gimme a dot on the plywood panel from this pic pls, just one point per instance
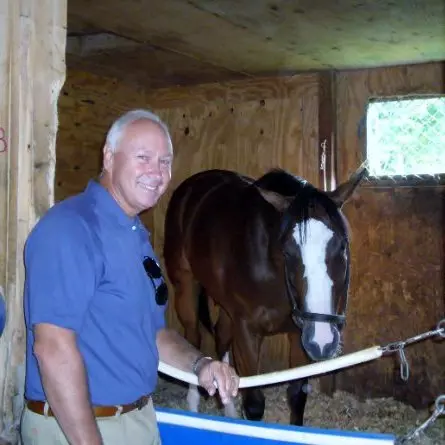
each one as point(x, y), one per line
point(246, 126)
point(397, 287)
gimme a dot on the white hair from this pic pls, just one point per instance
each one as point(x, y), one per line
point(115, 132)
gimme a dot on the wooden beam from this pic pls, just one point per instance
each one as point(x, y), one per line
point(90, 44)
point(326, 163)
point(32, 71)
point(327, 131)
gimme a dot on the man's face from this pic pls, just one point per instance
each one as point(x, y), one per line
point(140, 169)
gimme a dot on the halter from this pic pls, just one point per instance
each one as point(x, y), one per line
point(299, 316)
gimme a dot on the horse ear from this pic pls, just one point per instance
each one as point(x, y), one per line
point(344, 191)
point(280, 202)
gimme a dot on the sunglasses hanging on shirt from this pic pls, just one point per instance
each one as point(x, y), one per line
point(153, 272)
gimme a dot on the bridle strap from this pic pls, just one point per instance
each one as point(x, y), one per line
point(313, 316)
point(295, 312)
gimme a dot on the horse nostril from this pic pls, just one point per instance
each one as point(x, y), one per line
point(314, 351)
point(320, 351)
point(308, 332)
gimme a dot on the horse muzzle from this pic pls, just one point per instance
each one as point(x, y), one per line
point(321, 340)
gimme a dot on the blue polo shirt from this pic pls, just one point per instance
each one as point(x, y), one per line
point(84, 271)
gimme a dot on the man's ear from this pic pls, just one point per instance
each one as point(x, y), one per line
point(108, 158)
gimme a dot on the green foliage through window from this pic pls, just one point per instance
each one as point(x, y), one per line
point(406, 137)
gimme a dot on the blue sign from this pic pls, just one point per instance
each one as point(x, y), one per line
point(2, 314)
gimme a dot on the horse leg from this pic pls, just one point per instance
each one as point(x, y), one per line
point(223, 339)
point(185, 306)
point(246, 348)
point(298, 390)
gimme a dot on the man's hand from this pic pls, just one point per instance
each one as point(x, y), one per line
point(225, 377)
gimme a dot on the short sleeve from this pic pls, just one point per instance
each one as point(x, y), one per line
point(59, 272)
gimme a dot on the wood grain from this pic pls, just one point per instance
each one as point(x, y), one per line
point(32, 70)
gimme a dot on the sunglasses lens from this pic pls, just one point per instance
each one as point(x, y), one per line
point(154, 271)
point(162, 294)
point(152, 268)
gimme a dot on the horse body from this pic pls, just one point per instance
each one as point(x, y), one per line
point(273, 255)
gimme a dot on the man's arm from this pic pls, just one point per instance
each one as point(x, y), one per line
point(65, 384)
point(60, 283)
point(176, 351)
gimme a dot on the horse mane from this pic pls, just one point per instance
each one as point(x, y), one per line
point(305, 196)
point(282, 182)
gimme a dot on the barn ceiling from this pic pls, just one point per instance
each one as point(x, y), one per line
point(170, 42)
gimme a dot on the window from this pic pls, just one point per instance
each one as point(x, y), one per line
point(406, 137)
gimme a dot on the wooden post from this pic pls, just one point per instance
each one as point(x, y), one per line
point(327, 131)
point(327, 163)
point(32, 72)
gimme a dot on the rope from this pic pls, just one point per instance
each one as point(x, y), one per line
point(287, 374)
point(344, 361)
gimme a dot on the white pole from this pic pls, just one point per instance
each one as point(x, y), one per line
point(286, 375)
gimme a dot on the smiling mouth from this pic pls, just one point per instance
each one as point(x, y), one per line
point(149, 188)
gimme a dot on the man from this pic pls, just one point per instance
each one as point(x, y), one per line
point(94, 314)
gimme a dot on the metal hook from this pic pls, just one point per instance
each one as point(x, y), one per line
point(404, 366)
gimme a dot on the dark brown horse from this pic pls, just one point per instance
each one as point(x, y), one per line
point(273, 254)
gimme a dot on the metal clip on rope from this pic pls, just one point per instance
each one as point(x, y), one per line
point(399, 347)
point(438, 411)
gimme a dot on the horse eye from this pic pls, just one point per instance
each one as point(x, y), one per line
point(341, 245)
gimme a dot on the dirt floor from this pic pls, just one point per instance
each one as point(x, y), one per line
point(342, 411)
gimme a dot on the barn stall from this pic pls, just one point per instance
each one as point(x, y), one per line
point(246, 87)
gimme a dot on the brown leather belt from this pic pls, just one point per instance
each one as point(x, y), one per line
point(99, 411)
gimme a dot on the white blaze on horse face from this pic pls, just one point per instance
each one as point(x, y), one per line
point(319, 283)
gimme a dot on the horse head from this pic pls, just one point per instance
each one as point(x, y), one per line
point(314, 241)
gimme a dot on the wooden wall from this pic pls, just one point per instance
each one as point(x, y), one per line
point(397, 280)
point(248, 126)
point(398, 248)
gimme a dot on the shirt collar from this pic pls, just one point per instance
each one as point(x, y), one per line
point(108, 206)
